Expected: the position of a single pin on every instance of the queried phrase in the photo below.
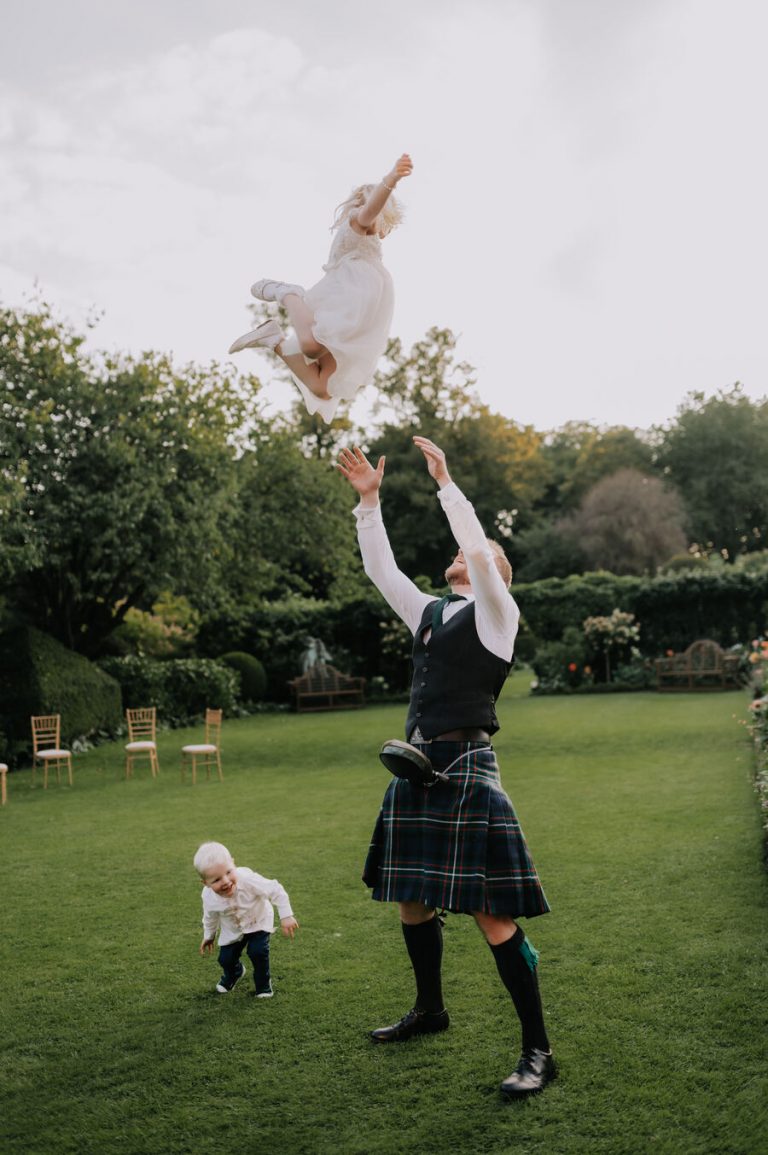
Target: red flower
(572, 667)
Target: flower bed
(757, 663)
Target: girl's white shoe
(269, 290)
(266, 335)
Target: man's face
(221, 879)
(457, 573)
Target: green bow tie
(437, 611)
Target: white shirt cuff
(367, 517)
(450, 494)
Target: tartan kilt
(456, 845)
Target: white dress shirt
(496, 612)
(250, 908)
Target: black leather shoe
(414, 1023)
(533, 1072)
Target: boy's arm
(210, 926)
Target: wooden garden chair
(46, 747)
(142, 743)
(208, 753)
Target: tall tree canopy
(628, 523)
(715, 453)
(126, 471)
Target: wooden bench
(703, 666)
(323, 687)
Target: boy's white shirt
(249, 909)
(496, 613)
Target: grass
(642, 820)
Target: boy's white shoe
(265, 994)
(224, 988)
(270, 290)
(266, 335)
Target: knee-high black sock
(519, 977)
(424, 941)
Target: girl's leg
(314, 375)
(323, 365)
(258, 953)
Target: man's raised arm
(497, 612)
(405, 598)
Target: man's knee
(412, 913)
(497, 928)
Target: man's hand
(355, 466)
(435, 459)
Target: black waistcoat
(456, 681)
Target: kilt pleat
(456, 845)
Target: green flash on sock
(529, 953)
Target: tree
(495, 461)
(549, 548)
(293, 529)
(126, 471)
(628, 524)
(578, 454)
(715, 454)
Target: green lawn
(643, 823)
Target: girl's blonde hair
(390, 216)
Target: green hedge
(40, 676)
(726, 604)
(181, 689)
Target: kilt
(456, 845)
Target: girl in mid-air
(341, 324)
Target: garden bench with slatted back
(323, 687)
(703, 666)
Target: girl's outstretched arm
(365, 216)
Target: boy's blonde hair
(390, 216)
(211, 854)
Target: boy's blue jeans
(257, 946)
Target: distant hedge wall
(728, 605)
(40, 676)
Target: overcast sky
(587, 209)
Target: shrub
(142, 681)
(180, 689)
(193, 684)
(40, 676)
(253, 676)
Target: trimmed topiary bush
(253, 676)
(40, 676)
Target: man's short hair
(502, 565)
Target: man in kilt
(455, 844)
